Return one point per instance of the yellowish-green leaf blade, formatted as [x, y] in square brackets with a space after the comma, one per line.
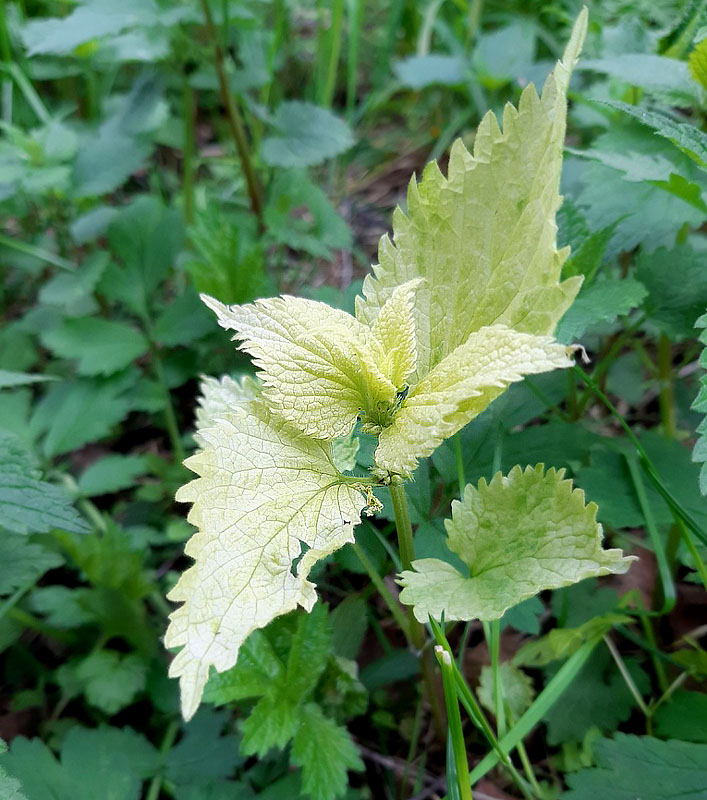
[221, 395]
[264, 491]
[483, 238]
[319, 365]
[516, 687]
[519, 535]
[459, 388]
[394, 328]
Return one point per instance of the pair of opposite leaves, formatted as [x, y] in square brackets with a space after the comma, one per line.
[463, 303]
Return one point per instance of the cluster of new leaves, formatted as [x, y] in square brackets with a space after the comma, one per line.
[463, 303]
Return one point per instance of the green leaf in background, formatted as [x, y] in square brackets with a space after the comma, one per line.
[325, 751]
[601, 301]
[93, 19]
[689, 138]
[110, 763]
[72, 414]
[516, 688]
[504, 54]
[101, 346]
[647, 71]
[682, 716]
[146, 237]
[629, 767]
[417, 72]
[111, 474]
[23, 562]
[123, 142]
[699, 453]
[676, 281]
[229, 261]
[203, 754]
[27, 504]
[597, 698]
[518, 535]
[10, 379]
[183, 321]
[306, 134]
[301, 216]
[111, 680]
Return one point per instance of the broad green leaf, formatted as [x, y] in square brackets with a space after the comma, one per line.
[417, 72]
[306, 134]
[518, 535]
[111, 680]
[689, 138]
[677, 288]
[90, 20]
[111, 474]
[27, 504]
[264, 492]
[629, 766]
[699, 453]
[602, 301]
[145, 236]
[271, 724]
[647, 71]
[23, 562]
[483, 238]
[110, 763]
[318, 231]
[203, 754]
[325, 751]
[682, 716]
[101, 346]
[10, 788]
[597, 698]
[516, 688]
[459, 388]
[72, 414]
[321, 368]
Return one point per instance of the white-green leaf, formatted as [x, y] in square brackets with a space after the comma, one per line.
[265, 494]
[321, 368]
[516, 689]
[518, 535]
[483, 238]
[459, 388]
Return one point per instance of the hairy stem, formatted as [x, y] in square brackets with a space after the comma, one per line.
[235, 121]
[417, 630]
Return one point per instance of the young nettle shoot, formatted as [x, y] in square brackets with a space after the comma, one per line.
[463, 303]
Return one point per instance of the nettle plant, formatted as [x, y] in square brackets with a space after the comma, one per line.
[463, 303]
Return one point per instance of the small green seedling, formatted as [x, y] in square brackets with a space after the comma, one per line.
[463, 303]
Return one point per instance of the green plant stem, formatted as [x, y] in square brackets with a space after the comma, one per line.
[37, 252]
[235, 120]
[461, 477]
[455, 732]
[170, 735]
[541, 705]
[694, 552]
[170, 416]
[188, 154]
[477, 716]
[384, 592]
[645, 461]
[355, 10]
[30, 621]
[334, 47]
[666, 397]
[417, 630]
[493, 638]
[626, 675]
[664, 571]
